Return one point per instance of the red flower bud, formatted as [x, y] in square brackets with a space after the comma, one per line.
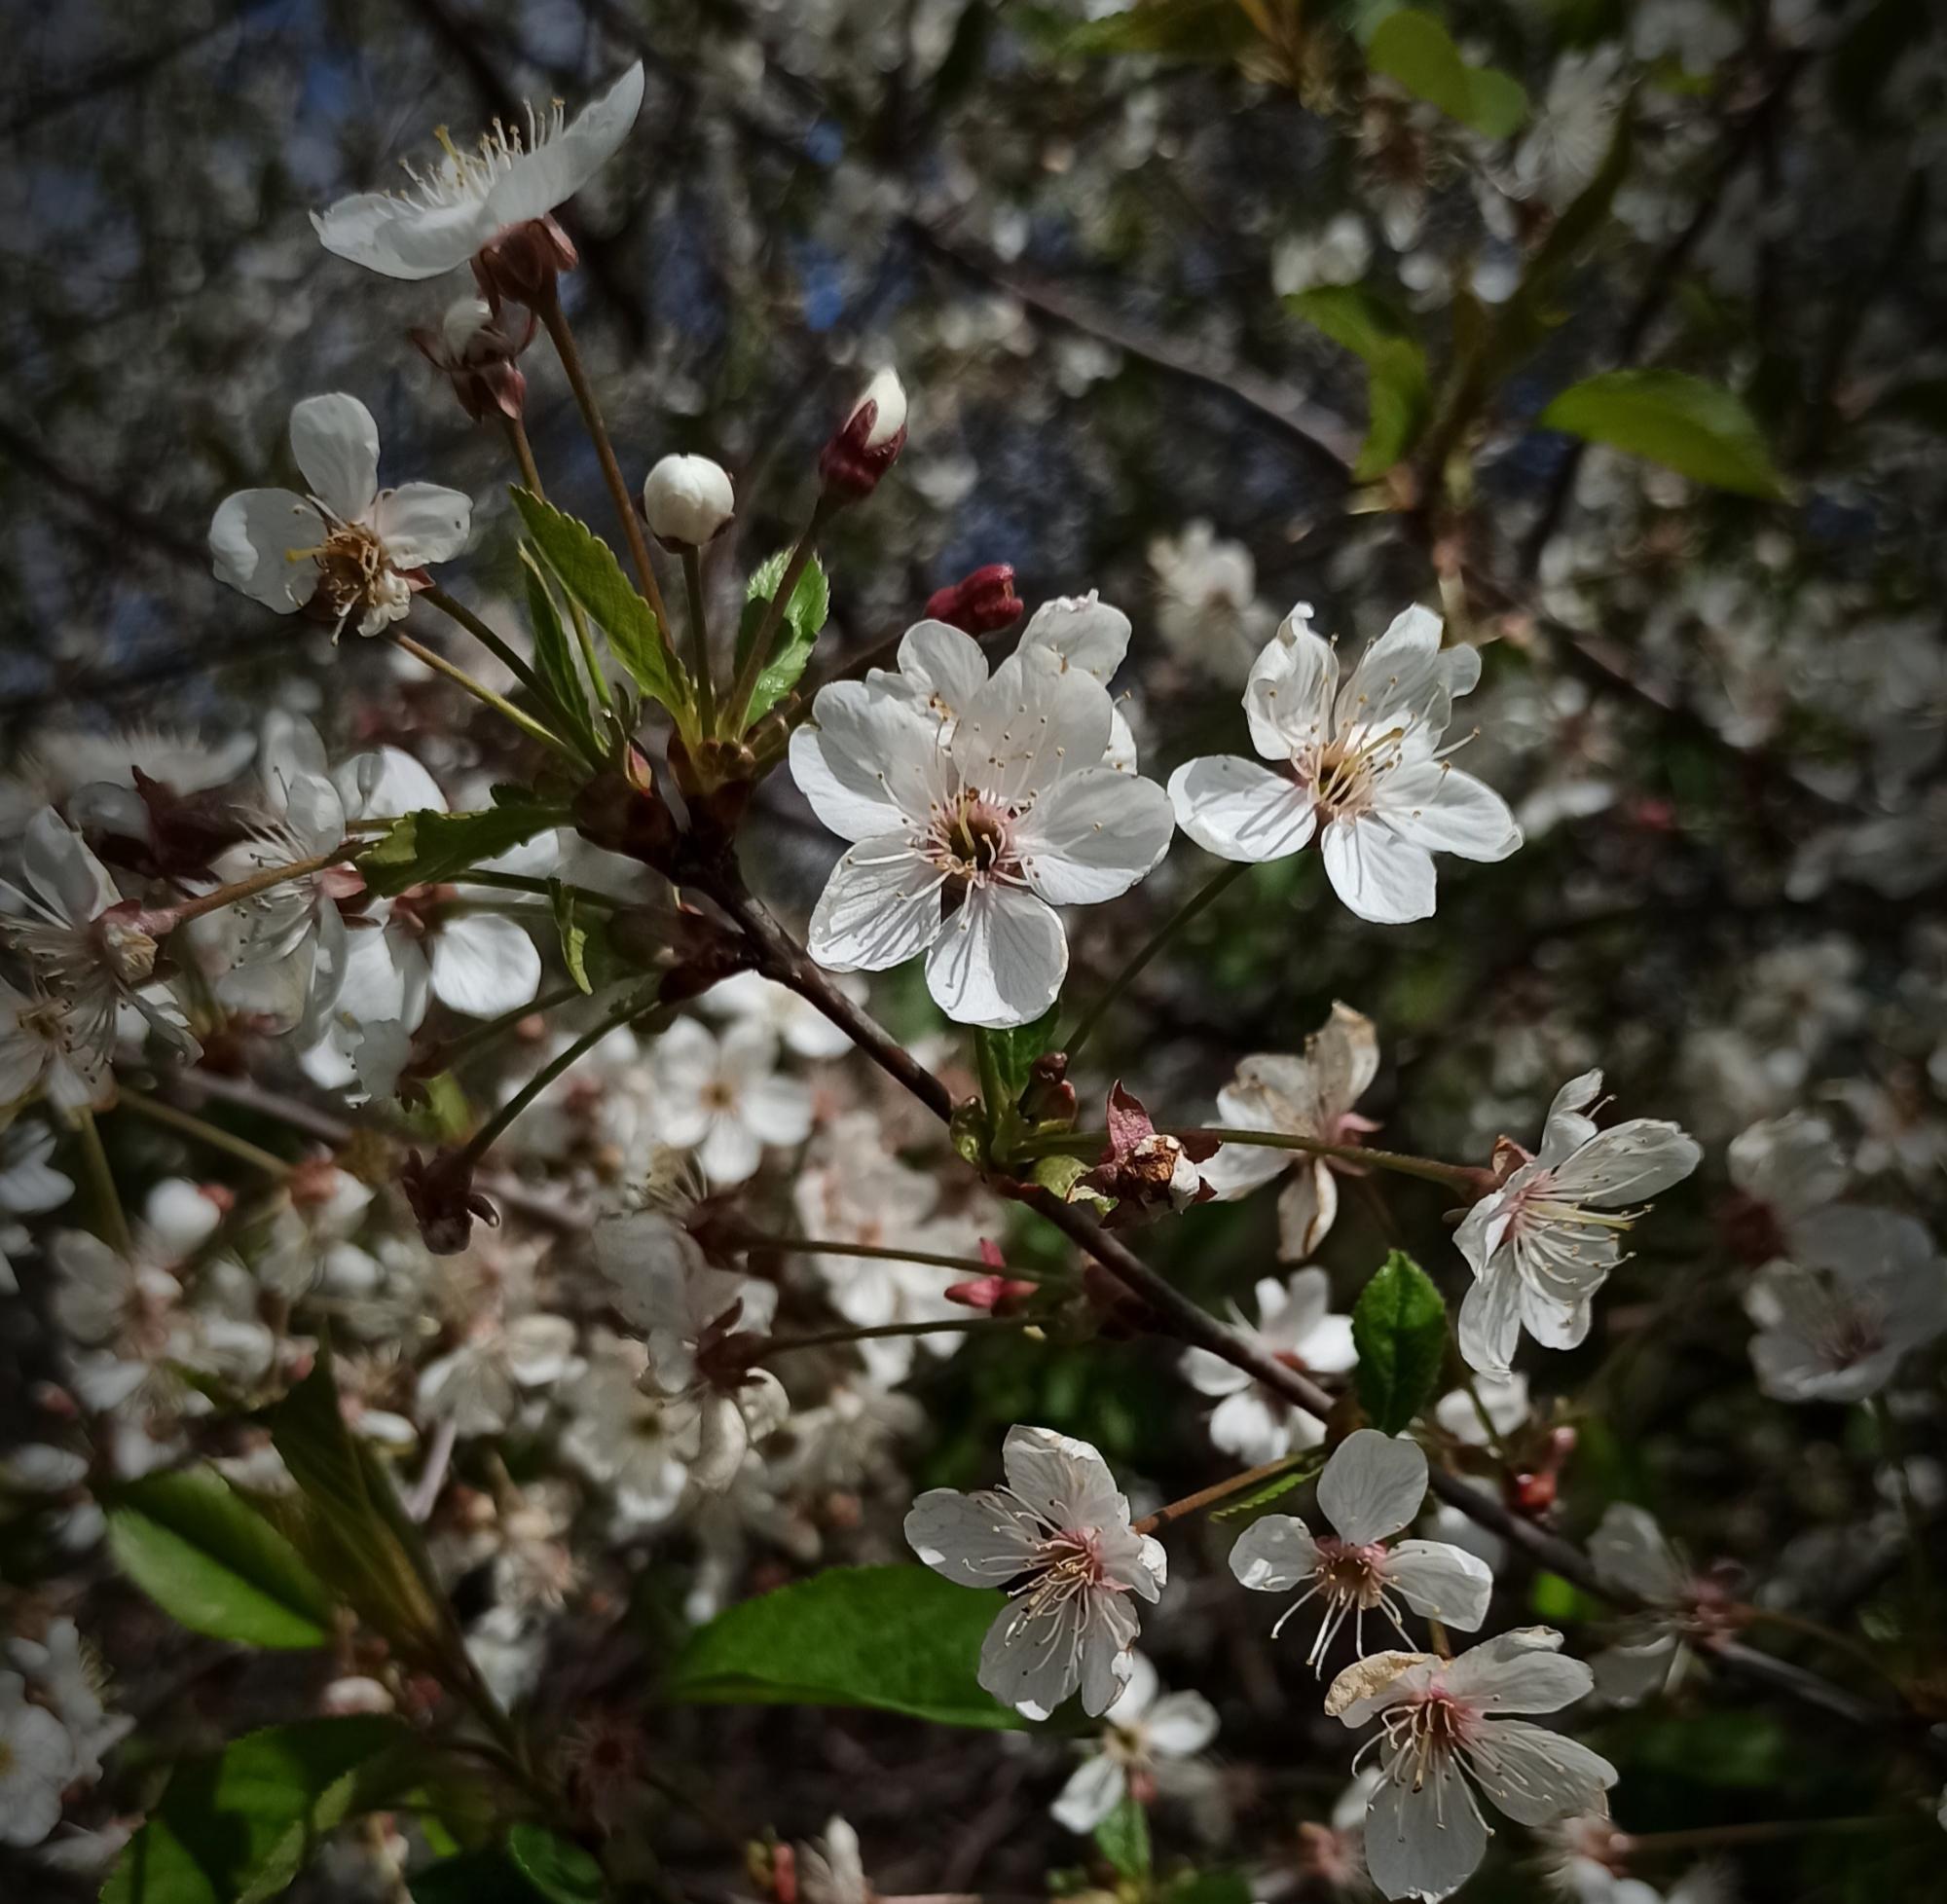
[977, 604]
[523, 262]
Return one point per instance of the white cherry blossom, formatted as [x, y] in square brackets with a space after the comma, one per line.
[1630, 1550]
[357, 549]
[465, 198]
[965, 846]
[1372, 1487]
[1503, 1398]
[1059, 1531]
[1311, 1096]
[37, 1760]
[723, 1097]
[1861, 1289]
[1543, 1243]
[804, 1031]
[1444, 1746]
[1148, 1742]
[1359, 765]
[1294, 1326]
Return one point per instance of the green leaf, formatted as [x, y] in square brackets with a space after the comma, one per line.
[237, 1827]
[586, 568]
[1013, 1054]
[1123, 1838]
[1415, 49]
[482, 1877]
[1699, 429]
[900, 1639]
[1398, 395]
[573, 937]
[1399, 1327]
[210, 1560]
[1273, 1489]
[804, 616]
[349, 1525]
[1210, 1887]
[563, 1872]
[554, 647]
[1561, 1602]
[421, 849]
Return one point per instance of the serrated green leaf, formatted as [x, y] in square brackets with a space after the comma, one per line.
[1399, 396]
[574, 936]
[1273, 1489]
[1399, 1327]
[1124, 1839]
[554, 647]
[211, 1561]
[1699, 429]
[563, 1872]
[900, 1639]
[237, 1827]
[804, 616]
[1415, 49]
[422, 849]
[586, 568]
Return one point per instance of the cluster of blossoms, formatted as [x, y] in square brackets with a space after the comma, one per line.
[741, 1197]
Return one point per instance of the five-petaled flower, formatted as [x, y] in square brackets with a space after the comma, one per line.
[1543, 1243]
[1444, 1746]
[1295, 1325]
[355, 550]
[966, 845]
[1360, 765]
[1149, 1742]
[467, 199]
[1060, 1530]
[1371, 1488]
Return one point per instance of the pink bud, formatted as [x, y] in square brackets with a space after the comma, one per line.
[868, 443]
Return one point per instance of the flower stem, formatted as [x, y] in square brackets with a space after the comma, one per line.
[505, 882]
[1209, 1496]
[699, 639]
[114, 1218]
[736, 709]
[501, 705]
[1704, 1838]
[822, 1246]
[530, 475]
[633, 1007]
[1814, 1629]
[832, 1337]
[555, 318]
[189, 1124]
[459, 611]
[475, 1036]
[1212, 888]
[169, 918]
[1081, 1142]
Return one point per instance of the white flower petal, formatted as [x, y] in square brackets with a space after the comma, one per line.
[975, 1540]
[1426, 1841]
[1027, 727]
[1536, 1775]
[1443, 1582]
[1376, 874]
[483, 964]
[336, 444]
[250, 540]
[1182, 1723]
[1490, 1322]
[879, 908]
[1434, 805]
[1092, 835]
[1288, 698]
[1373, 1486]
[1082, 631]
[1000, 960]
[866, 761]
[1274, 1555]
[1523, 1671]
[1239, 810]
[422, 523]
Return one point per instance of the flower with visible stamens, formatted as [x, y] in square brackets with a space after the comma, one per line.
[966, 842]
[1059, 1532]
[471, 198]
[1544, 1243]
[1443, 1745]
[1371, 1488]
[347, 548]
[1359, 765]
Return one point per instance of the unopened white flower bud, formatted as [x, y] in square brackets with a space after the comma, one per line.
[466, 318]
[687, 500]
[889, 394]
